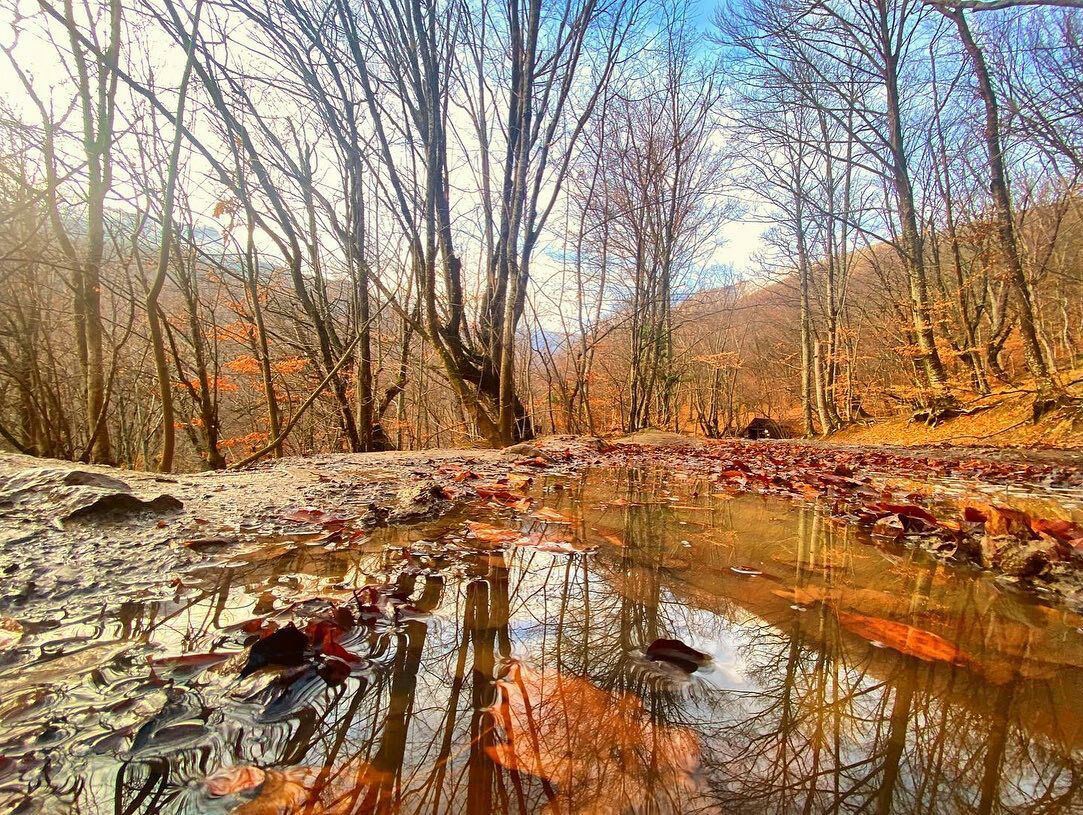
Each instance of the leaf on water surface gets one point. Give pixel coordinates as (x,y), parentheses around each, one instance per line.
(518,481)
(489,533)
(745,571)
(544,544)
(312,791)
(677,653)
(11,631)
(311,515)
(1064,531)
(186,664)
(285,647)
(601,751)
(911,511)
(503,496)
(551,516)
(324,635)
(998,520)
(905,639)
(232,780)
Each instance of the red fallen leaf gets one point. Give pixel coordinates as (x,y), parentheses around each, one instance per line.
(491,534)
(732,474)
(232,780)
(518,481)
(464,475)
(307,515)
(503,496)
(974,515)
(999,520)
(258,625)
(906,639)
(543,544)
(1065,531)
(551,516)
(324,634)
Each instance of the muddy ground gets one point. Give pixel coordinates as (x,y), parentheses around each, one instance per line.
(70,534)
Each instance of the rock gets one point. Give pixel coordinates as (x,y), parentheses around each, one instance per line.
(524,450)
(416,501)
(70,494)
(1024,560)
(677,653)
(123,503)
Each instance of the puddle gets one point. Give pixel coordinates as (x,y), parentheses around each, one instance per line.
(505,668)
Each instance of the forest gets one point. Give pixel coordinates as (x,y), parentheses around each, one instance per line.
(235,230)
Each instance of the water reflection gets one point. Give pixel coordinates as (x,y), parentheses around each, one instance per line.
(513,680)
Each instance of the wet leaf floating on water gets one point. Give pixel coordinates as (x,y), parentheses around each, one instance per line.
(677,653)
(491,534)
(745,571)
(906,639)
(1064,531)
(11,631)
(185,665)
(285,647)
(519,481)
(233,780)
(316,517)
(551,516)
(503,496)
(556,547)
(600,751)
(324,636)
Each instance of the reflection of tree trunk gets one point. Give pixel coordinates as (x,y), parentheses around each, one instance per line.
(482,697)
(995,745)
(389,759)
(896,735)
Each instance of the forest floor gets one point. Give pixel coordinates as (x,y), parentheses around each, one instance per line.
(1001,419)
(62,527)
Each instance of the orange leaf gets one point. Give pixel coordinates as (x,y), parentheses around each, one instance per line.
(491,534)
(231,780)
(902,638)
(551,516)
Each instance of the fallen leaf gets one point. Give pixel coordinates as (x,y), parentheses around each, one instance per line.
(906,639)
(491,534)
(285,647)
(745,571)
(601,751)
(11,631)
(1065,531)
(551,516)
(232,780)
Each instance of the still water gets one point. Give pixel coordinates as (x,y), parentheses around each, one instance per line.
(511,676)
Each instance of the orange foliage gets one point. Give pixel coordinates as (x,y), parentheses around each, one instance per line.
(601,751)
